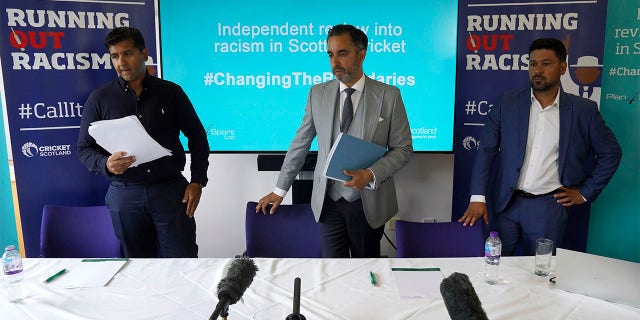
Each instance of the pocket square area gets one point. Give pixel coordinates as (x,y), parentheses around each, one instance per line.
(380,119)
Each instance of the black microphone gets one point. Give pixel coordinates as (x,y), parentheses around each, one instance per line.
(296,302)
(461,299)
(230,289)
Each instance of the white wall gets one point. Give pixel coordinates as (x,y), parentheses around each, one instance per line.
(424,191)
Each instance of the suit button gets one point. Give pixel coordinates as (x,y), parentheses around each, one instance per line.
(511,189)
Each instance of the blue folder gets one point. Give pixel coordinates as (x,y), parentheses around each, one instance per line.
(351,153)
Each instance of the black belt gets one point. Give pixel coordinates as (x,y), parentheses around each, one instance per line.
(528,195)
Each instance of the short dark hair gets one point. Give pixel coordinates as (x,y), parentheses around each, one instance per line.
(552,44)
(358,37)
(125,33)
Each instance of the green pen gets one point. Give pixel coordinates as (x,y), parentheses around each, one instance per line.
(373,278)
(53,277)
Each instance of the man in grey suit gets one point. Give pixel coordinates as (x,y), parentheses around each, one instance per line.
(351,218)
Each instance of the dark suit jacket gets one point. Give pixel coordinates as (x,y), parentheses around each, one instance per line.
(584,140)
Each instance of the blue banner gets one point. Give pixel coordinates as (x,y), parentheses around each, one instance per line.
(493,56)
(52,56)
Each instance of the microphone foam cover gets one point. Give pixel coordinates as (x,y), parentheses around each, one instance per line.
(239,277)
(461,299)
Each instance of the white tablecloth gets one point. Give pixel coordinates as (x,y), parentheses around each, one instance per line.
(331,289)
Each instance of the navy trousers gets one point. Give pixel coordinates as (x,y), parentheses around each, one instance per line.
(345,231)
(527,220)
(150,220)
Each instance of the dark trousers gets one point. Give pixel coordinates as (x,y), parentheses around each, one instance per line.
(344,229)
(151,220)
(527,220)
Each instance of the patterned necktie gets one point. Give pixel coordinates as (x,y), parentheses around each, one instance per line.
(347,111)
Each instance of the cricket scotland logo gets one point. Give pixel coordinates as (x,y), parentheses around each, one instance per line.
(29,149)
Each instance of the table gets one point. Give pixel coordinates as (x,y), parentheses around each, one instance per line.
(331,289)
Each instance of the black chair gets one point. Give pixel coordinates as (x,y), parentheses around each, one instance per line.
(292,232)
(438,240)
(78,232)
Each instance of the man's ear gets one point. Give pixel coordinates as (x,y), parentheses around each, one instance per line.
(145,54)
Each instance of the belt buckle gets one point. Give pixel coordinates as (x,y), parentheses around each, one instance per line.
(527,195)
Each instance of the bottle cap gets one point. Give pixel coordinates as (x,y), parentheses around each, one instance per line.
(10,247)
(493,234)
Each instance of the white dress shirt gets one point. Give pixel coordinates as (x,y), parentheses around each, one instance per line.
(539,173)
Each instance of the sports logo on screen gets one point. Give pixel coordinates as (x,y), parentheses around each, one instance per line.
(227,134)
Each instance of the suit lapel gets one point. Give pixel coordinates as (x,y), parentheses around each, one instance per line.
(371,104)
(524,112)
(566,114)
(329,100)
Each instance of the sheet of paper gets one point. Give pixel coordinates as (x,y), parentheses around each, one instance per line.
(89,273)
(127,134)
(418,283)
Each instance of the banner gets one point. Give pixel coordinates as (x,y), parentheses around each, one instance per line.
(52,56)
(493,56)
(615,224)
(7,221)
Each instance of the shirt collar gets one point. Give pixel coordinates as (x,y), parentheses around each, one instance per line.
(556,101)
(359,86)
(145,82)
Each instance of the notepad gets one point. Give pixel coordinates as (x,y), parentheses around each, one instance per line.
(89,273)
(351,153)
(418,283)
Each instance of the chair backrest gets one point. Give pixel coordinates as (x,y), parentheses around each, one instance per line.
(292,232)
(441,239)
(78,232)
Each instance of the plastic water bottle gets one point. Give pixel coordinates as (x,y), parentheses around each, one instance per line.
(492,252)
(12,267)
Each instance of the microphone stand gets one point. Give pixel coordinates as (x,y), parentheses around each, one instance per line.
(225,313)
(222,311)
(296,302)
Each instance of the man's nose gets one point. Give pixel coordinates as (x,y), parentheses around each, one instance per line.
(536,69)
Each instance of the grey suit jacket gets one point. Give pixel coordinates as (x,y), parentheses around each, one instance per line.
(386,124)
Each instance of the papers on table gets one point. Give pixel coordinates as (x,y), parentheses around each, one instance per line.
(89,273)
(351,153)
(127,134)
(418,283)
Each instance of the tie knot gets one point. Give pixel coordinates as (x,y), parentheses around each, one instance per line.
(349,91)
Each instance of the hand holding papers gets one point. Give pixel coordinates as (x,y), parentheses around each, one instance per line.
(127,134)
(351,153)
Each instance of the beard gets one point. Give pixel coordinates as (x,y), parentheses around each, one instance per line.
(344,76)
(539,84)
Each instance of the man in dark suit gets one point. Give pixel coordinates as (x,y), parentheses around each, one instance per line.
(542,150)
(351,218)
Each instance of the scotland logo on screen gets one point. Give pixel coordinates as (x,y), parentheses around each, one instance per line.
(29,149)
